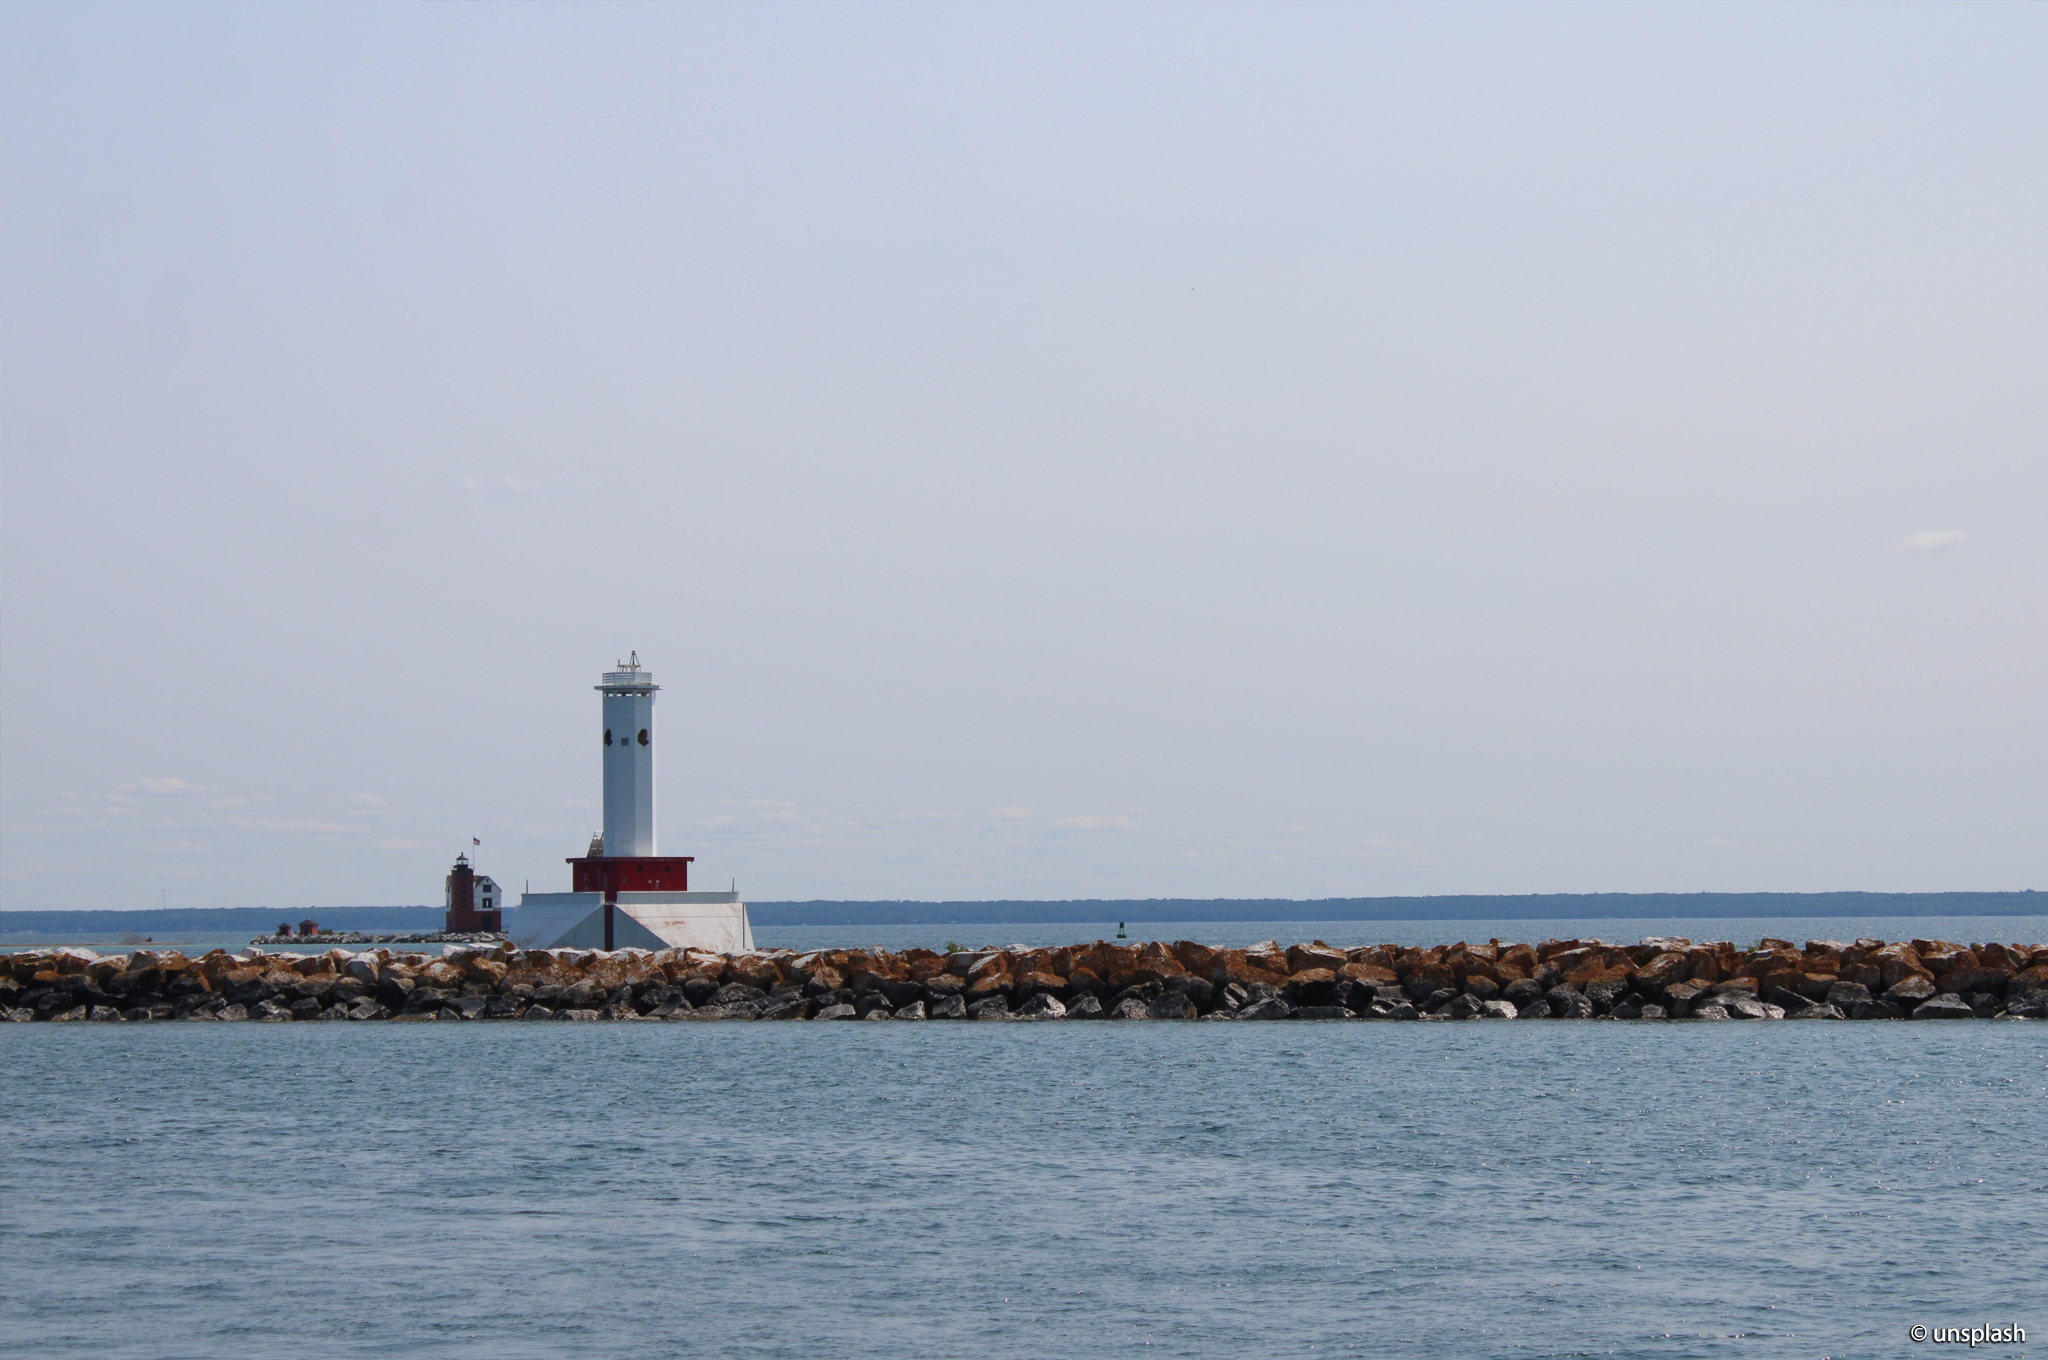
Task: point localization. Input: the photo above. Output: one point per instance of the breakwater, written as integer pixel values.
(1667, 978)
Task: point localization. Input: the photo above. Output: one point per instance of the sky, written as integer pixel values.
(1102, 450)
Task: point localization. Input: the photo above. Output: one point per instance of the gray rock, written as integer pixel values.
(270, 1011)
(1403, 1010)
(951, 1006)
(1877, 1009)
(1437, 1000)
(1847, 996)
(1171, 1005)
(1088, 1007)
(1497, 1010)
(728, 994)
(1628, 1008)
(1604, 994)
(20, 1015)
(1044, 1006)
(1743, 1006)
(367, 1008)
(307, 1008)
(1481, 987)
(704, 1013)
(104, 1014)
(995, 1007)
(1947, 1006)
(2027, 1005)
(913, 1011)
(1651, 1011)
(1131, 1008)
(233, 1012)
(1569, 1003)
(1909, 992)
(1709, 1010)
(1521, 992)
(1463, 1006)
(841, 1011)
(789, 1006)
(500, 1008)
(1322, 1013)
(1819, 1010)
(582, 1013)
(1272, 1008)
(870, 1002)
(470, 1007)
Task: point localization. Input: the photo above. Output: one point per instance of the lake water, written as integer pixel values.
(941, 1190)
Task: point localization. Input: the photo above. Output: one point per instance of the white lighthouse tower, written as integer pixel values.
(628, 761)
(624, 893)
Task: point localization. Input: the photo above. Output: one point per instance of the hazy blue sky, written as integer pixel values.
(1106, 450)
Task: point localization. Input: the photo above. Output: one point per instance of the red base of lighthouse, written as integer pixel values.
(646, 873)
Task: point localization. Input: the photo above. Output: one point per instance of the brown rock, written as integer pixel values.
(1660, 972)
(1040, 981)
(1371, 974)
(1315, 957)
(751, 970)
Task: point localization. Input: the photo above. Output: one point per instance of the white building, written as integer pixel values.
(623, 893)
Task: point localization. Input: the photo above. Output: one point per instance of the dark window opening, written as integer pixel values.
(643, 736)
(607, 736)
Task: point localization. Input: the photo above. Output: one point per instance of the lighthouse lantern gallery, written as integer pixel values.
(625, 893)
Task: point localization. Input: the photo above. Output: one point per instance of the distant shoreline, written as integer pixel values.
(165, 923)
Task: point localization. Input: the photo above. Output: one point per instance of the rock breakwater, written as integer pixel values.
(1658, 979)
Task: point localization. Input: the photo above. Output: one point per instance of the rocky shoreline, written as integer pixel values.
(1658, 979)
(358, 937)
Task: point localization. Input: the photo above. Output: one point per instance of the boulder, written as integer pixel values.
(1325, 1013)
(581, 1013)
(1436, 1000)
(1497, 1010)
(269, 1011)
(1312, 986)
(1709, 1010)
(1910, 991)
(1481, 987)
(1743, 1006)
(840, 1011)
(1132, 1008)
(752, 970)
(1876, 1010)
(952, 1006)
(1846, 996)
(1630, 1007)
(1523, 993)
(1044, 1006)
(1086, 1006)
(1817, 1010)
(308, 1008)
(1652, 1011)
(1272, 1008)
(730, 994)
(995, 1007)
(1463, 1006)
(1947, 1006)
(913, 1011)
(104, 1014)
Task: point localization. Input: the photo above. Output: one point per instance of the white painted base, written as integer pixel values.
(642, 920)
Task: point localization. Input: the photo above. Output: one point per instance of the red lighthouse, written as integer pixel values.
(473, 901)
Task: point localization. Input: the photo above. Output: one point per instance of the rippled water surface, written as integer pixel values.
(897, 1190)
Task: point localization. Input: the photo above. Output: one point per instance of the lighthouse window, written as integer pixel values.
(643, 736)
(607, 736)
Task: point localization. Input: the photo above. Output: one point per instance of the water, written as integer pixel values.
(1763, 1190)
(1744, 930)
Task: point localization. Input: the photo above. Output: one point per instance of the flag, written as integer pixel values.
(474, 841)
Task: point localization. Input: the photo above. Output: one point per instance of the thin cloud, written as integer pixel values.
(1011, 814)
(1094, 824)
(1932, 540)
(160, 786)
(295, 824)
(369, 800)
